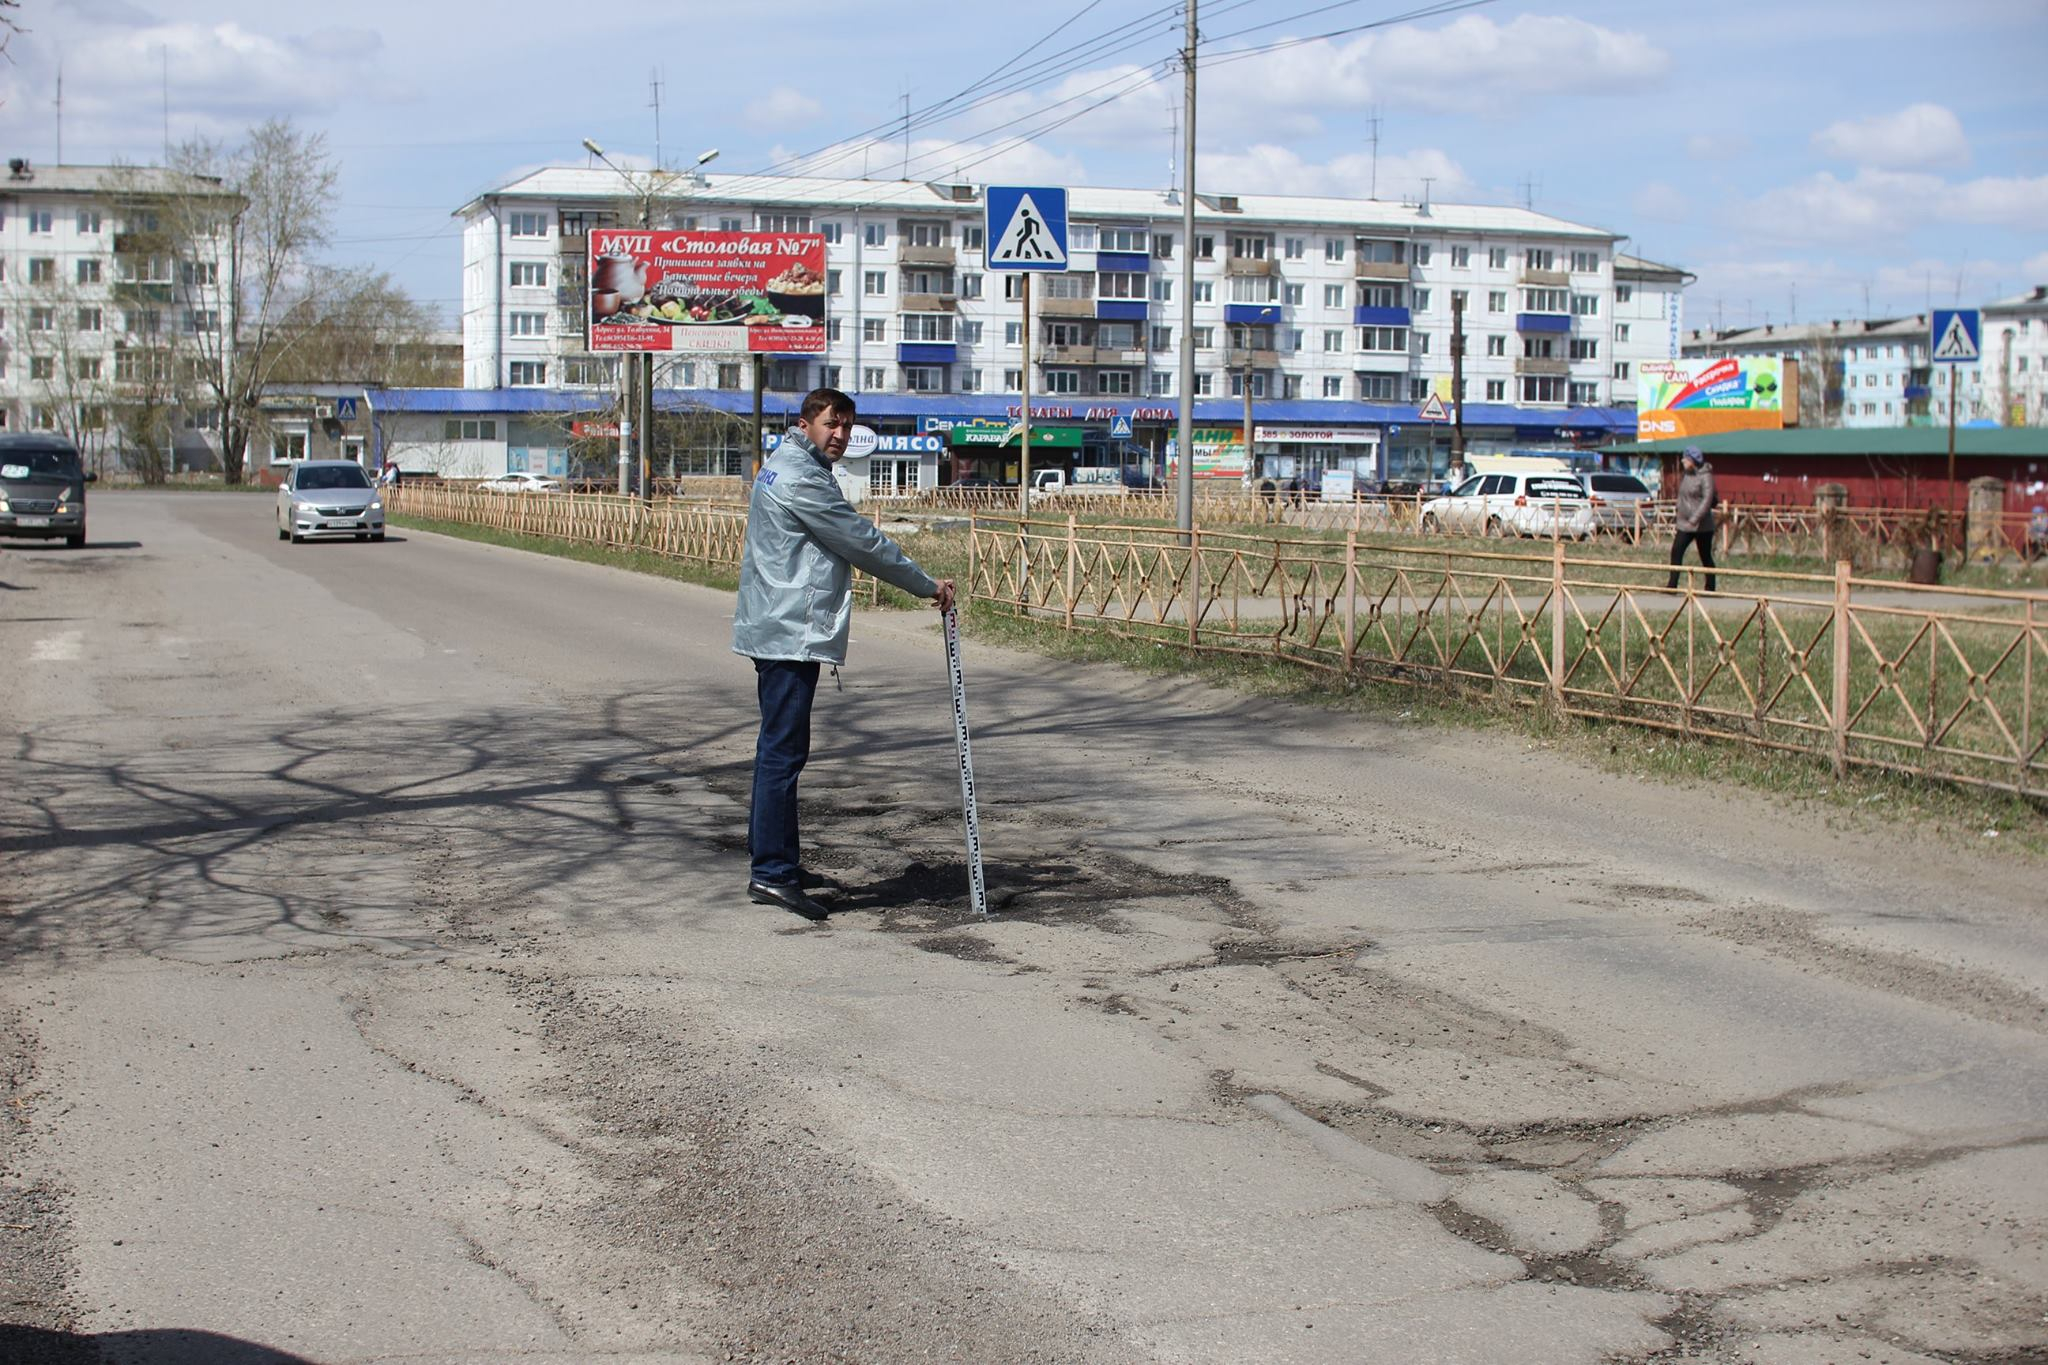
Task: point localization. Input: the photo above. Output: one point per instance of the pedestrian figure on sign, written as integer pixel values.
(804, 540)
(1696, 503)
(1027, 236)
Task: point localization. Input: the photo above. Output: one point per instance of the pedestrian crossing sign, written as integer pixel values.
(1026, 227)
(1954, 336)
(1432, 410)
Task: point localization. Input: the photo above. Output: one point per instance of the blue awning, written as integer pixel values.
(1123, 260)
(926, 353)
(1251, 314)
(1542, 322)
(1380, 317)
(1119, 310)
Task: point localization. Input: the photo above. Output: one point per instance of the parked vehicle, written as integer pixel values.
(1513, 504)
(520, 483)
(1104, 479)
(1615, 499)
(326, 499)
(42, 488)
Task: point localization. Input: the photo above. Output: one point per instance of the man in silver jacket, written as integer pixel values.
(804, 540)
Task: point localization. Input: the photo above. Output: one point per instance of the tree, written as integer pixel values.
(60, 327)
(267, 291)
(360, 327)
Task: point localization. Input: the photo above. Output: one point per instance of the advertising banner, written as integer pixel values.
(1219, 453)
(1701, 397)
(706, 291)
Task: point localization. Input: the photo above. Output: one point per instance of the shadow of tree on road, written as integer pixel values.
(163, 1346)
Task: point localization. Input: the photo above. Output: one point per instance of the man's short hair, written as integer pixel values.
(824, 400)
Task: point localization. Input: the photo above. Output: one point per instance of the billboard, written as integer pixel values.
(1701, 397)
(1219, 453)
(651, 290)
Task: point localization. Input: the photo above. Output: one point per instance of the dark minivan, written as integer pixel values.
(42, 488)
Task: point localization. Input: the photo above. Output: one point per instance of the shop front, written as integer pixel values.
(1307, 452)
(984, 450)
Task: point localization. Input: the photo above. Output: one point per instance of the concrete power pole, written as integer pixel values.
(1457, 379)
(1184, 478)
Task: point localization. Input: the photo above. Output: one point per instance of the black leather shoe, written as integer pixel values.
(789, 896)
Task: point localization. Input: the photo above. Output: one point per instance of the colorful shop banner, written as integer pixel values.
(1219, 453)
(706, 291)
(1701, 397)
(994, 431)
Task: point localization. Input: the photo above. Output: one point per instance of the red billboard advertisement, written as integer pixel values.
(652, 290)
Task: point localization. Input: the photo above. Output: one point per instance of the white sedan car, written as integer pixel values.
(1512, 504)
(521, 483)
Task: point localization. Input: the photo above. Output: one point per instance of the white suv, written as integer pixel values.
(1512, 504)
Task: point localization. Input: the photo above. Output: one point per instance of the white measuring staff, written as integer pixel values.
(977, 887)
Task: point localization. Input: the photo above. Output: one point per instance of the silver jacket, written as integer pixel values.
(1697, 498)
(804, 540)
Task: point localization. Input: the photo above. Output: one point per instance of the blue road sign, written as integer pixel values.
(1027, 227)
(1955, 336)
(345, 409)
(1120, 429)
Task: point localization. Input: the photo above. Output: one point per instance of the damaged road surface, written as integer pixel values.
(381, 987)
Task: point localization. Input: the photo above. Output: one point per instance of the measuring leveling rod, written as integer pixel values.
(976, 886)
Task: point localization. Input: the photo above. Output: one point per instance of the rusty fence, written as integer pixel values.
(1929, 681)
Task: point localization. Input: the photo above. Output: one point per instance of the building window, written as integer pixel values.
(528, 374)
(924, 379)
(1160, 384)
(874, 283)
(927, 326)
(1333, 340)
(1205, 338)
(1382, 295)
(1382, 251)
(529, 275)
(1621, 369)
(1062, 381)
(41, 222)
(1205, 247)
(287, 446)
(829, 376)
(727, 225)
(42, 367)
(971, 238)
(527, 224)
(1539, 258)
(470, 429)
(1294, 248)
(831, 232)
(1292, 295)
(1205, 385)
(1584, 394)
(1081, 237)
(1013, 381)
(875, 234)
(588, 372)
(1461, 257)
(1117, 383)
(1585, 348)
(1333, 296)
(1422, 253)
(1333, 248)
(1585, 305)
(1205, 291)
(1496, 300)
(1418, 390)
(1497, 258)
(42, 270)
(970, 333)
(1621, 331)
(1383, 340)
(1067, 286)
(528, 324)
(1120, 284)
(1539, 348)
(1295, 337)
(1546, 300)
(1162, 337)
(88, 367)
(1125, 239)
(1422, 300)
(1542, 389)
(1624, 292)
(1250, 248)
(970, 285)
(1496, 390)
(42, 319)
(1333, 386)
(1254, 289)
(90, 320)
(874, 329)
(782, 222)
(1162, 290)
(1373, 388)
(1496, 344)
(88, 272)
(89, 221)
(835, 281)
(1422, 343)
(198, 320)
(1013, 334)
(1586, 262)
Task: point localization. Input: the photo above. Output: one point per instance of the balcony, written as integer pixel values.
(926, 353)
(1130, 262)
(1063, 308)
(925, 256)
(1543, 322)
(1251, 314)
(1250, 266)
(1257, 358)
(930, 303)
(1542, 365)
(1365, 316)
(575, 244)
(569, 296)
(1381, 270)
(1066, 355)
(143, 291)
(1120, 310)
(1380, 362)
(1118, 355)
(1555, 279)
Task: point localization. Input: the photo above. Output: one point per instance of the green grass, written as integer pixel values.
(1864, 799)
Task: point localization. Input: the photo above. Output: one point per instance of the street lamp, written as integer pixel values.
(644, 191)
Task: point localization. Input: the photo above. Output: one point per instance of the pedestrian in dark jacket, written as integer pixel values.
(1696, 502)
(804, 540)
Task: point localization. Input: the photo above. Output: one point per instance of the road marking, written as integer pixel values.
(58, 648)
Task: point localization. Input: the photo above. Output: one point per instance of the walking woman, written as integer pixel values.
(1696, 502)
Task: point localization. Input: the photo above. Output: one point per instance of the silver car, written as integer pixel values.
(1621, 502)
(322, 498)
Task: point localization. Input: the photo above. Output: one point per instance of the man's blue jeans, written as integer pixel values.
(786, 687)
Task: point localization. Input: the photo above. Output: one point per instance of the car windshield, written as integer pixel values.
(332, 476)
(38, 464)
(1618, 483)
(1555, 488)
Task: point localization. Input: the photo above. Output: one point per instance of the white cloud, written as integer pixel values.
(936, 159)
(1918, 137)
(1876, 206)
(1267, 169)
(783, 107)
(1661, 203)
(2036, 270)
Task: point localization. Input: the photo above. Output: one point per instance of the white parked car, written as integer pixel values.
(1512, 504)
(323, 499)
(521, 483)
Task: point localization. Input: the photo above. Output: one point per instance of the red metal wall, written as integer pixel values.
(1889, 482)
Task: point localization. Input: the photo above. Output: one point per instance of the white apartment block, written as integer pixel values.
(1300, 298)
(2015, 368)
(93, 310)
(1649, 319)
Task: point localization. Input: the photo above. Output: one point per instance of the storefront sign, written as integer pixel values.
(985, 432)
(1317, 436)
(1700, 397)
(1219, 453)
(706, 291)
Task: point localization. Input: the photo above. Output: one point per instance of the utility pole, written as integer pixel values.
(760, 434)
(1184, 480)
(1458, 378)
(1250, 455)
(1024, 409)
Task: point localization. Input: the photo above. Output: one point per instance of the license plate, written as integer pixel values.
(31, 521)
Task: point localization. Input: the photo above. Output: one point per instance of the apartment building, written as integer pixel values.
(1649, 319)
(1853, 373)
(1296, 299)
(103, 301)
(2016, 359)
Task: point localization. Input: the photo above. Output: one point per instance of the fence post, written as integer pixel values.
(1070, 570)
(1838, 721)
(2026, 698)
(1350, 599)
(1194, 587)
(1557, 625)
(973, 562)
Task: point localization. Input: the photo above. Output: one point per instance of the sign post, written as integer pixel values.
(1954, 339)
(1026, 230)
(977, 887)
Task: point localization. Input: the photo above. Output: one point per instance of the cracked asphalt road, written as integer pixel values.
(378, 990)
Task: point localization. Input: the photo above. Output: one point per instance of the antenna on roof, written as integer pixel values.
(1530, 184)
(654, 86)
(1373, 122)
(60, 111)
(164, 51)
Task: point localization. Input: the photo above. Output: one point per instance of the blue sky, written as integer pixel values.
(1798, 157)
